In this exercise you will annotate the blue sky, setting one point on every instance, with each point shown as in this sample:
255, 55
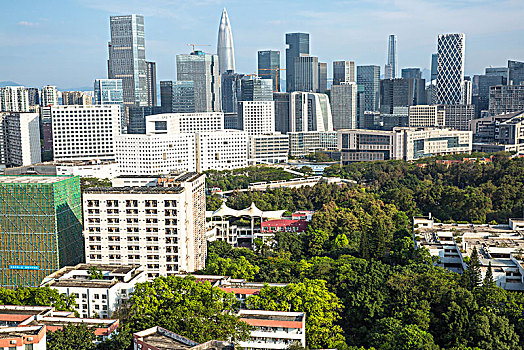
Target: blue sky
64, 43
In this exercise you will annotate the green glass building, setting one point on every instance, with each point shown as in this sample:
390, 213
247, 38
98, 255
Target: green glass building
40, 227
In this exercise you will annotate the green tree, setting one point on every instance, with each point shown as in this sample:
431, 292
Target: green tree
72, 337
312, 297
43, 296
194, 310
473, 275
95, 273
236, 268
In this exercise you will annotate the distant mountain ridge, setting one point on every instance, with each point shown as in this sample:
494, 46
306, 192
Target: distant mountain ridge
12, 83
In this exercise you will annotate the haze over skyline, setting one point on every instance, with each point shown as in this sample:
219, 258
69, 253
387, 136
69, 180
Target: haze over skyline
64, 43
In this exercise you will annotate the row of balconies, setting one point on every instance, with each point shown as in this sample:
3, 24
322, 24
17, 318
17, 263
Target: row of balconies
131, 203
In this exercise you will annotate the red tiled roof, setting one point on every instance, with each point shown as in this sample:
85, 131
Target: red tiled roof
272, 323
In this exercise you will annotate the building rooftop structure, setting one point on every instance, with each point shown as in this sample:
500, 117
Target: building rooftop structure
78, 276
130, 189
502, 246
30, 179
27, 337
159, 338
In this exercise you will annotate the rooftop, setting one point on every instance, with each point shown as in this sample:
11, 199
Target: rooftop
19, 332
135, 190
113, 274
31, 179
163, 339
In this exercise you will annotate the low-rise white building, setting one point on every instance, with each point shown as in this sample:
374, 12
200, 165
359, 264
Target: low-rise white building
501, 246
304, 143
97, 297
401, 143
161, 228
174, 123
274, 329
268, 148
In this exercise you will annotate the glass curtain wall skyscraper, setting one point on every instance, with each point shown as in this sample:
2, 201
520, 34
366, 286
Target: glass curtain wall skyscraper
269, 67
369, 78
127, 57
202, 69
390, 71
297, 45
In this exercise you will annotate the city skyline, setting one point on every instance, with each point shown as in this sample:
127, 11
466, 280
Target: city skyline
44, 46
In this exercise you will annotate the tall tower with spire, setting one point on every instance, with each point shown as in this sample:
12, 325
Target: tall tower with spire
225, 50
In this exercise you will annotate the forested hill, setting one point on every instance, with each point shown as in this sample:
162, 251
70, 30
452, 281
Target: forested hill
468, 191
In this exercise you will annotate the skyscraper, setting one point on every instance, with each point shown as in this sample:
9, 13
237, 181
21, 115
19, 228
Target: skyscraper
450, 71
306, 73
297, 44
344, 105
202, 70
177, 96
231, 89
127, 57
225, 49
110, 92
256, 89
515, 72
390, 71
411, 73
49, 96
322, 77
41, 220
369, 77
343, 71
309, 111
434, 66
151, 83
269, 67
76, 98
396, 93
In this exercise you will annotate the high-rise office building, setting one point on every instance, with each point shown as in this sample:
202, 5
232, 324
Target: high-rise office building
485, 82
343, 71
411, 73
297, 44
202, 70
49, 96
256, 89
497, 71
458, 117
41, 221
390, 71
269, 67
257, 117
110, 92
322, 77
467, 92
127, 57
281, 100
151, 83
396, 93
231, 91
76, 98
344, 105
14, 99
177, 96
137, 118
225, 49
309, 112
20, 136
92, 137
369, 77
306, 73
450, 72
33, 95
506, 99
515, 72
434, 66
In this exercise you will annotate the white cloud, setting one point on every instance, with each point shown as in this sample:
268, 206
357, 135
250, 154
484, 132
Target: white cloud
28, 24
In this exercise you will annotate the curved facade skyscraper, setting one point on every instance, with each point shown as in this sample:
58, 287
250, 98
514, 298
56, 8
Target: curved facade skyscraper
225, 50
